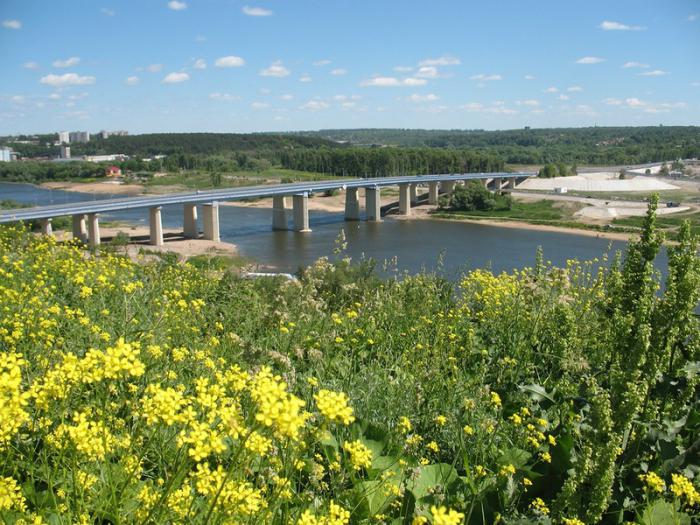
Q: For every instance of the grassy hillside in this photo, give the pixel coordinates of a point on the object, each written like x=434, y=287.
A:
x=166, y=393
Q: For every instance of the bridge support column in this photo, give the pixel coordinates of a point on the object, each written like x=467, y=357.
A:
x=156, y=226
x=352, y=205
x=433, y=193
x=414, y=194
x=210, y=217
x=497, y=183
x=79, y=228
x=190, y=230
x=301, y=212
x=93, y=230
x=404, y=199
x=512, y=183
x=46, y=228
x=448, y=186
x=279, y=213
x=373, y=203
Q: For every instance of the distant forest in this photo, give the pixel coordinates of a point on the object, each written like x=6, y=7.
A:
x=597, y=145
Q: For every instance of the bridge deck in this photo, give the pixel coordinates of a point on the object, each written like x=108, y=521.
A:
x=233, y=194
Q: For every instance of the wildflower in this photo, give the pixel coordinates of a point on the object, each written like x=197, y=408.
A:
x=11, y=497
x=468, y=431
x=441, y=420
x=539, y=506
x=495, y=399
x=405, y=425
x=277, y=408
x=337, y=515
x=683, y=489
x=653, y=482
x=507, y=470
x=442, y=516
x=479, y=471
x=551, y=440
x=419, y=520
x=546, y=457
x=515, y=419
x=334, y=406
x=360, y=455
x=433, y=446
x=572, y=521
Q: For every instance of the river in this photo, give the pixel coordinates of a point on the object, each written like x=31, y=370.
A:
x=450, y=247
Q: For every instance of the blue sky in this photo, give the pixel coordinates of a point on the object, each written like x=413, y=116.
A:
x=239, y=66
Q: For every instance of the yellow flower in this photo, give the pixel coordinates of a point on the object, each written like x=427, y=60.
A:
x=405, y=425
x=360, y=455
x=546, y=457
x=683, y=489
x=442, y=516
x=539, y=506
x=11, y=497
x=653, y=482
x=507, y=470
x=334, y=406
x=572, y=521
x=433, y=446
x=468, y=431
x=495, y=399
x=516, y=419
x=441, y=420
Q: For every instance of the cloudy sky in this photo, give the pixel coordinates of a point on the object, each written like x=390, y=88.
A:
x=229, y=65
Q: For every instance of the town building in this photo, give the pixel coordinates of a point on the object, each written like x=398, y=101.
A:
x=106, y=134
x=63, y=137
x=65, y=152
x=79, y=136
x=6, y=155
x=113, y=171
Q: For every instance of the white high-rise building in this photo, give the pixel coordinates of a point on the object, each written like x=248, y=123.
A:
x=79, y=136
x=63, y=137
x=5, y=154
x=65, y=152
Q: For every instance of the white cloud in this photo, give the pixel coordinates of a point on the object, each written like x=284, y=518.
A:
x=30, y=65
x=440, y=61
x=304, y=78
x=403, y=69
x=177, y=6
x=200, y=38
x=175, y=78
x=692, y=18
x=259, y=105
x=68, y=79
x=68, y=62
x=132, y=81
x=695, y=84
x=414, y=81
x=529, y=77
x=324, y=62
x=655, y=73
x=529, y=102
x=608, y=25
x=348, y=105
x=483, y=78
x=563, y=97
x=315, y=105
x=108, y=12
x=634, y=102
x=574, y=89
x=381, y=82
x=551, y=90
x=229, y=61
x=12, y=24
x=200, y=63
x=612, y=101
x=256, y=11
x=427, y=72
x=55, y=96
x=224, y=97
x=590, y=60
x=430, y=97
x=339, y=71
x=276, y=69
x=287, y=97
x=154, y=68
x=628, y=65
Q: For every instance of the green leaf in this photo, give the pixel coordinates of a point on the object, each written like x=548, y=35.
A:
x=429, y=477
x=536, y=392
x=371, y=497
x=662, y=512
x=515, y=456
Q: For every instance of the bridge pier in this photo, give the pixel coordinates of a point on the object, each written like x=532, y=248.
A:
x=79, y=228
x=448, y=186
x=279, y=213
x=93, y=230
x=301, y=212
x=414, y=194
x=512, y=183
x=210, y=217
x=190, y=230
x=433, y=193
x=404, y=199
x=352, y=205
x=373, y=204
x=46, y=228
x=156, y=226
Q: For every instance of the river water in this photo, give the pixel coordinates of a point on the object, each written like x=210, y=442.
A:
x=450, y=247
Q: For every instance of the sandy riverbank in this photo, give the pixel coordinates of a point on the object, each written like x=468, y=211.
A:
x=107, y=187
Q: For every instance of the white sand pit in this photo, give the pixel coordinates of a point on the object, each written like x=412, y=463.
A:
x=611, y=212
x=597, y=181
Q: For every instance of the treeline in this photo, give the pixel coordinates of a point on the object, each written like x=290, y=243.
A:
x=593, y=145
x=385, y=162
x=34, y=171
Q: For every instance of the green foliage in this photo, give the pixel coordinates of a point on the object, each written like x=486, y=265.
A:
x=474, y=196
x=549, y=171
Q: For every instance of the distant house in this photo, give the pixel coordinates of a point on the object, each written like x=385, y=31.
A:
x=113, y=171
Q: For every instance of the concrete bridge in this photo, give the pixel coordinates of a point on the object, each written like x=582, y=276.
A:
x=86, y=221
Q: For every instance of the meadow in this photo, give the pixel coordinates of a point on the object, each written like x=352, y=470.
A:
x=158, y=392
